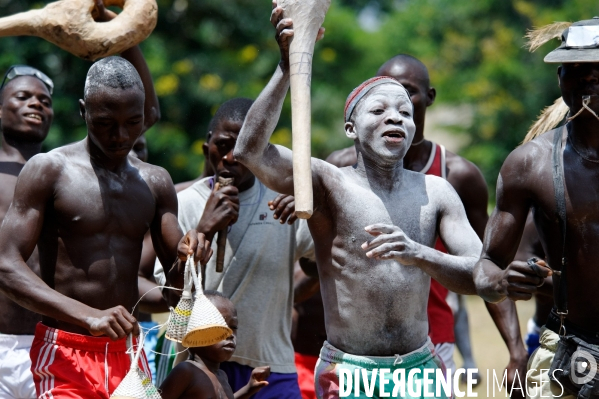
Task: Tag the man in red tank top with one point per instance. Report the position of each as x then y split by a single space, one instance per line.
431 158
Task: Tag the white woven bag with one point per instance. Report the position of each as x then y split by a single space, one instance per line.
206 325
136 384
177 323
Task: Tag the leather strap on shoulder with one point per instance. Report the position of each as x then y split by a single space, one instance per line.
561 301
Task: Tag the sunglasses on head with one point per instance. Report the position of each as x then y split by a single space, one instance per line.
24 70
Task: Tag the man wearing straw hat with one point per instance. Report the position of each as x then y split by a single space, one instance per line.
87 206
373 227
557 175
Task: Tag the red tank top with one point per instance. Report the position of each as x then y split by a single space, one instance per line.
440 316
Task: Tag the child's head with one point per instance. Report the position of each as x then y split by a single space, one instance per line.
223 350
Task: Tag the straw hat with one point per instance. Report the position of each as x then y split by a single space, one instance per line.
177 322
206 325
136 384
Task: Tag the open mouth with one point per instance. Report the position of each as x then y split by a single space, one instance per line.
37 117
394 136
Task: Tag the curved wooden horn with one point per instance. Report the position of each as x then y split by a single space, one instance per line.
307 16
69 25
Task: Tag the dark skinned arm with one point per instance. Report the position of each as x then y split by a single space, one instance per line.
472 189
496 276
19 234
167 238
152 299
257 382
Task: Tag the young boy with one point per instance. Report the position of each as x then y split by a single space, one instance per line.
201 377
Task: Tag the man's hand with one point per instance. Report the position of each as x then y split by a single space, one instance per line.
221 210
284 31
115 323
390 242
194 243
521 280
284 208
100 13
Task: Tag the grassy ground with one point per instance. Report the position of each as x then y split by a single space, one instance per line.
489 350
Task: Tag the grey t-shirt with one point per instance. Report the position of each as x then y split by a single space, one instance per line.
258 272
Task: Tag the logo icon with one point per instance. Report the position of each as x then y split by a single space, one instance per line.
263 216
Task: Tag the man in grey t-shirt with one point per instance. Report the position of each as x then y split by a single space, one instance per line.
259 256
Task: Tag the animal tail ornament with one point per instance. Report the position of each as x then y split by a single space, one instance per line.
549 118
552 115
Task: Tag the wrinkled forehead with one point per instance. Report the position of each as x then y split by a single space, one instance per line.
389 90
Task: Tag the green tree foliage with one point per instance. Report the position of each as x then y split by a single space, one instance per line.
204 52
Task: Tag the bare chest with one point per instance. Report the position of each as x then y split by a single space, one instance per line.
89 201
355 207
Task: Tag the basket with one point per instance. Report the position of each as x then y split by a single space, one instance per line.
206 325
177 322
136 384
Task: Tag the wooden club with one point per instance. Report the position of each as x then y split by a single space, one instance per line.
69 25
307 16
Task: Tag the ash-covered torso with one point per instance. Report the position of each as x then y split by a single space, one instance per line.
373 307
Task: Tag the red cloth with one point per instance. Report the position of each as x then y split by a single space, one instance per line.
440 316
67 365
305 365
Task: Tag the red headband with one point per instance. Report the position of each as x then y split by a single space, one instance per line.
359 92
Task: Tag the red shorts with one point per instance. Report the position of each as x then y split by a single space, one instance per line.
305 365
67 365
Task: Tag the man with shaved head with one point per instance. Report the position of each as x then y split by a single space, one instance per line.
87 206
373 227
428 157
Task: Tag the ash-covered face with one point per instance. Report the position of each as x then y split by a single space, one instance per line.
26 110
114 119
223 350
382 123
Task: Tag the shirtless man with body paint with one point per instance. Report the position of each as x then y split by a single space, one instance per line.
373 226
471 187
87 206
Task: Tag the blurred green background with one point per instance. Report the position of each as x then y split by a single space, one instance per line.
204 52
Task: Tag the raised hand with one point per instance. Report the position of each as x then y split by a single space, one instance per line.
390 242
284 31
284 208
100 13
115 323
221 210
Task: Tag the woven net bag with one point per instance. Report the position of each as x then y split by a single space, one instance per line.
177 322
206 325
136 384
